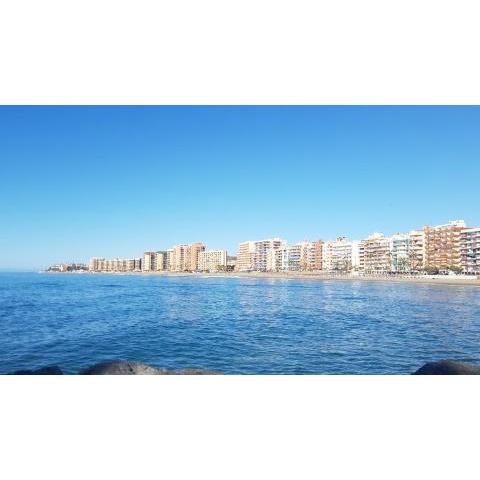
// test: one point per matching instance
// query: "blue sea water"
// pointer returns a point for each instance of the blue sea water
(234, 325)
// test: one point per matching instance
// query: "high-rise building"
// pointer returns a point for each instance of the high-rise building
(161, 261)
(96, 264)
(138, 264)
(442, 245)
(315, 256)
(302, 256)
(290, 258)
(374, 254)
(340, 255)
(149, 263)
(179, 258)
(262, 249)
(259, 255)
(470, 250)
(212, 261)
(184, 258)
(245, 257)
(170, 260)
(400, 245)
(416, 256)
(195, 250)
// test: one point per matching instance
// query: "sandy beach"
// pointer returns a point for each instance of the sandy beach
(430, 279)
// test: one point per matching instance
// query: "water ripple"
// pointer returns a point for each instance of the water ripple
(235, 325)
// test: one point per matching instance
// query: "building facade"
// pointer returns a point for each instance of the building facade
(374, 254)
(195, 249)
(400, 245)
(184, 258)
(245, 257)
(470, 250)
(149, 263)
(442, 246)
(98, 264)
(161, 261)
(212, 261)
(340, 255)
(416, 256)
(264, 252)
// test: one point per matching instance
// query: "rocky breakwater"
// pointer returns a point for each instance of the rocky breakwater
(119, 368)
(448, 367)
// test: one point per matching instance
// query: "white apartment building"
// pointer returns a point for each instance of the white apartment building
(262, 257)
(294, 258)
(400, 244)
(470, 250)
(341, 254)
(290, 257)
(258, 255)
(212, 260)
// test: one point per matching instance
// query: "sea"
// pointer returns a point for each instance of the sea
(234, 325)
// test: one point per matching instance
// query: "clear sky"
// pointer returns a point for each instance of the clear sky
(78, 182)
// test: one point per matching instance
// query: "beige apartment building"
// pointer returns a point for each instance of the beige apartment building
(195, 250)
(149, 263)
(169, 260)
(300, 257)
(114, 265)
(180, 258)
(443, 245)
(274, 255)
(374, 254)
(259, 255)
(184, 258)
(161, 261)
(245, 257)
(416, 255)
(95, 264)
(212, 260)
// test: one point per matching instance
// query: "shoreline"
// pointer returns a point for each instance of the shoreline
(429, 279)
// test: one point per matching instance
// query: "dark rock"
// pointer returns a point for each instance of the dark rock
(448, 367)
(123, 368)
(41, 371)
(136, 368)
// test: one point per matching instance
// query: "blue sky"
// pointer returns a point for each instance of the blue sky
(116, 181)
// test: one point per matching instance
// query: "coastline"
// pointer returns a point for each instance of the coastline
(429, 279)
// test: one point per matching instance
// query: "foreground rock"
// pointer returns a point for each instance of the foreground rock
(136, 368)
(41, 371)
(119, 368)
(448, 367)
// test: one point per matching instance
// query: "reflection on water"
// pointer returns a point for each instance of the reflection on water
(235, 325)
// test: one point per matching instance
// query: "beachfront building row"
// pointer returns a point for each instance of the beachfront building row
(181, 258)
(98, 264)
(449, 247)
